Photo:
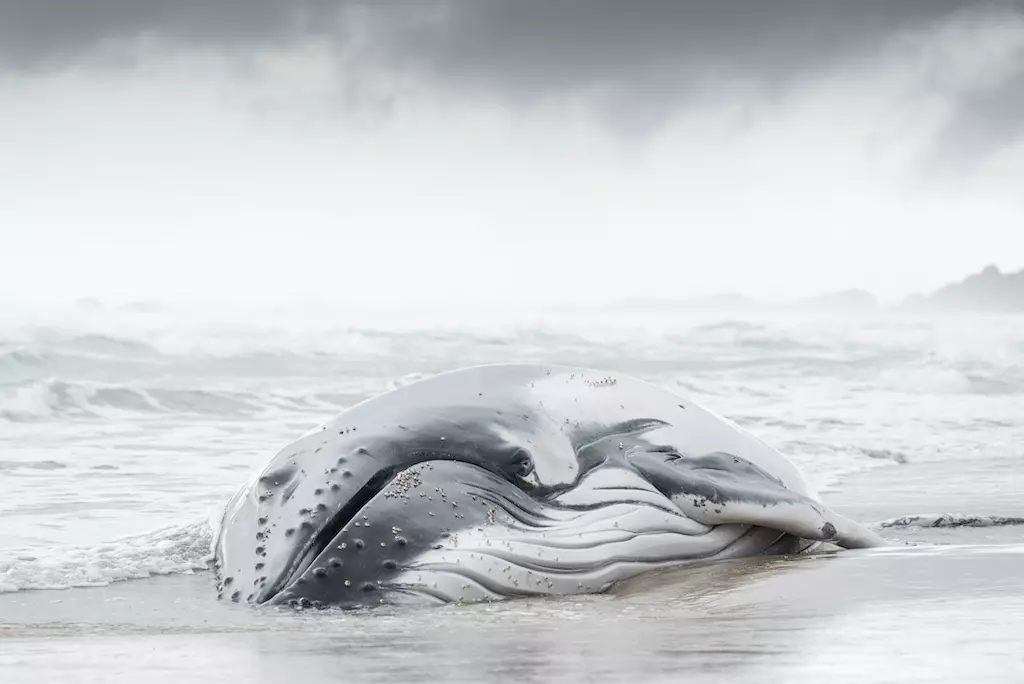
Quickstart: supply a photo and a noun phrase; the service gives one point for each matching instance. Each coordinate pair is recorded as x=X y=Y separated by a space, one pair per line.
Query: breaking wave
x=904 y=359
x=178 y=549
x=52 y=399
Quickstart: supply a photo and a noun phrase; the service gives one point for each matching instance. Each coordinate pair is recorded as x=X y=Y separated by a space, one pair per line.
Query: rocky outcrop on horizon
x=991 y=290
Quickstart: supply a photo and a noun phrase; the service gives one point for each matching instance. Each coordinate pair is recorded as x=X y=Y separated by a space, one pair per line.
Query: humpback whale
x=502 y=481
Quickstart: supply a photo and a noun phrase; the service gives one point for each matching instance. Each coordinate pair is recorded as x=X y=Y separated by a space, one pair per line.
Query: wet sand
x=948 y=608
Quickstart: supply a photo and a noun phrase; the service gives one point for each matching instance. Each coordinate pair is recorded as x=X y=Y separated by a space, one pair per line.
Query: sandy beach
x=944 y=605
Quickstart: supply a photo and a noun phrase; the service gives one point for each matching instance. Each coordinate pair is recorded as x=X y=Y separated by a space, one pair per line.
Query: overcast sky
x=506 y=150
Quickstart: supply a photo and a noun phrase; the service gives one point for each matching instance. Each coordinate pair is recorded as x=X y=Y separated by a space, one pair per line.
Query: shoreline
x=947 y=607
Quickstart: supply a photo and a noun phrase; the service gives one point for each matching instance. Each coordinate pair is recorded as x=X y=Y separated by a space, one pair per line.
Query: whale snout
x=376 y=555
x=340 y=512
x=278 y=523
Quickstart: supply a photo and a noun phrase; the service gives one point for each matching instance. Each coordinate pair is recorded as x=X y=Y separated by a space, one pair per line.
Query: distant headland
x=988 y=291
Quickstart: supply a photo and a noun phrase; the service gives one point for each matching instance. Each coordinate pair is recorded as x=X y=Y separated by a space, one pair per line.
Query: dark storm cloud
x=35 y=33
x=646 y=57
x=530 y=44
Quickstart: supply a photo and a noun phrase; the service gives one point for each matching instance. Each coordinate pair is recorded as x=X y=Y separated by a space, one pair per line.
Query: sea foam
x=173 y=549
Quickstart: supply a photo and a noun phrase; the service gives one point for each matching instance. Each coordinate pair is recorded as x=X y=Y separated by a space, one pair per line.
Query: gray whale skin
x=504 y=481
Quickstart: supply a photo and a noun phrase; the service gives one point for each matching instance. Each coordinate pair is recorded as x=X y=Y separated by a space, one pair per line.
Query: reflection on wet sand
x=902 y=614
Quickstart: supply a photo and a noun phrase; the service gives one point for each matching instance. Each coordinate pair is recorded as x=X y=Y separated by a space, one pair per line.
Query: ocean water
x=124 y=430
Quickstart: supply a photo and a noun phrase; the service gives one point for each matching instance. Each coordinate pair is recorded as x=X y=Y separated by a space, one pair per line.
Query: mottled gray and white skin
x=511 y=480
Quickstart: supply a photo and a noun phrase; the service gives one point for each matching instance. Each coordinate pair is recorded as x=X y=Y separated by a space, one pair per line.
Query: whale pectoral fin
x=722 y=489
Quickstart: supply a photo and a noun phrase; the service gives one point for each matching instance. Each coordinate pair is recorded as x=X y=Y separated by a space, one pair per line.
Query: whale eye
x=520 y=464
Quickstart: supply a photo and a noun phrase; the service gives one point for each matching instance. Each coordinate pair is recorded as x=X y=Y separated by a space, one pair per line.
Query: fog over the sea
x=506 y=151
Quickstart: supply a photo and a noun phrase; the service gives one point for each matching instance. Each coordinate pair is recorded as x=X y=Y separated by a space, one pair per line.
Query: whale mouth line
x=319 y=542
